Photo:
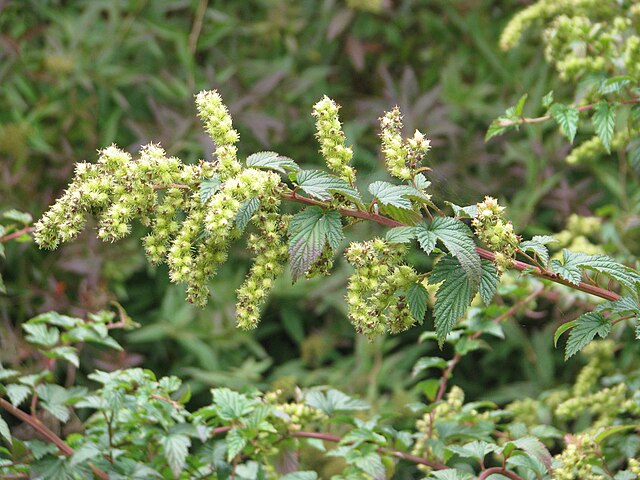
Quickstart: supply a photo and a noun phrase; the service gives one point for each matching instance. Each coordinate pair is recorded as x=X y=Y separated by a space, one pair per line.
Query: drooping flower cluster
x=270 y=248
x=401 y=157
x=332 y=140
x=495 y=232
x=188 y=230
x=374 y=293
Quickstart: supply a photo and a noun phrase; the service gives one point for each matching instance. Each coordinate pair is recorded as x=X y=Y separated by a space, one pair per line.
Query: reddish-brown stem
x=486 y=254
x=544 y=118
x=499 y=470
x=42 y=429
x=16 y=234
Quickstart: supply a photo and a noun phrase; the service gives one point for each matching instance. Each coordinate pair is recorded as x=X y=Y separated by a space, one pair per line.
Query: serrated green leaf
x=322 y=185
x=449 y=474
x=622 y=306
x=17 y=393
x=369 y=462
x=67 y=353
x=309 y=231
x=536 y=448
x=40 y=449
x=7 y=373
x=245 y=212
x=587 y=327
x=176 y=448
x=488 y=281
x=231 y=405
x=476 y=449
x=469 y=211
x=519 y=108
x=396 y=195
x=615 y=84
x=574 y=261
x=401 y=235
x=272 y=161
x=604 y=122
x=547 y=100
x=235 y=441
x=421 y=182
x=417 y=297
x=457 y=237
x=567 y=117
x=453 y=296
x=39 y=334
x=5 y=432
x=633 y=154
x=333 y=401
x=84 y=453
x=527 y=462
x=208 y=188
x=537 y=248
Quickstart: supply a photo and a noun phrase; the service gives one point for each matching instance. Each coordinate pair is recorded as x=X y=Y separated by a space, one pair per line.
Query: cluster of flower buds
x=401 y=157
x=332 y=140
x=578 y=458
x=492 y=229
x=270 y=248
x=372 y=292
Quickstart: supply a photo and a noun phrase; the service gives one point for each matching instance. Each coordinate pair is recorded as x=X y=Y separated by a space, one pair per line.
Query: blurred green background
x=76 y=76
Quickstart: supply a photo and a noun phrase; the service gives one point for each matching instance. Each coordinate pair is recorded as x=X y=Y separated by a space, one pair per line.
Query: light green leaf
x=449 y=474
x=40 y=449
x=333 y=401
x=67 y=353
x=561 y=329
x=401 y=234
x=421 y=182
x=457 y=237
x=469 y=211
x=537 y=248
x=245 y=212
x=17 y=216
x=323 y=185
x=604 y=122
x=615 y=430
x=587 y=327
x=476 y=449
x=574 y=261
x=176 y=448
x=309 y=231
x=567 y=117
x=272 y=161
x=428 y=362
x=547 y=100
x=235 y=443
x=536 y=448
x=453 y=296
x=208 y=188
x=17 y=393
x=39 y=334
x=3 y=288
x=417 y=297
x=396 y=195
x=488 y=281
x=369 y=462
x=84 y=453
x=231 y=405
x=622 y=306
x=519 y=108
x=5 y=432
x=511 y=115
x=305 y=475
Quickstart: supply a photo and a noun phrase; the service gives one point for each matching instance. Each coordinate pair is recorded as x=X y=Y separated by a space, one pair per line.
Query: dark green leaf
x=453 y=296
x=417 y=297
x=322 y=185
x=401 y=234
x=587 y=327
x=488 y=281
x=309 y=231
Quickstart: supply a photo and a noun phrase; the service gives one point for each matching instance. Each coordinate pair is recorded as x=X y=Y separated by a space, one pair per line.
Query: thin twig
x=16 y=234
x=544 y=118
x=498 y=470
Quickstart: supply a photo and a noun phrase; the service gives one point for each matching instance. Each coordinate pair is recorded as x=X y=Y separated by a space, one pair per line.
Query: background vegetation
x=78 y=76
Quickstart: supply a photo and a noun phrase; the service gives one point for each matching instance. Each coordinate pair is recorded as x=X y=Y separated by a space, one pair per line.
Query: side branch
x=544 y=118
x=42 y=429
x=486 y=254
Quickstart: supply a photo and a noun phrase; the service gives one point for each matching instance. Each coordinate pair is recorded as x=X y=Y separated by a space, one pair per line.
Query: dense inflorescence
x=497 y=233
x=332 y=140
x=402 y=157
x=375 y=290
x=188 y=230
x=583 y=36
